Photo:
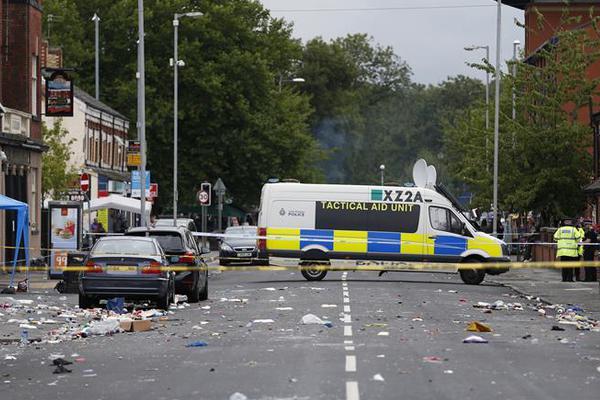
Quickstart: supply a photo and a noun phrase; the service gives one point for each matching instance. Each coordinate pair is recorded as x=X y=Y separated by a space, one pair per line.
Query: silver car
x=130 y=267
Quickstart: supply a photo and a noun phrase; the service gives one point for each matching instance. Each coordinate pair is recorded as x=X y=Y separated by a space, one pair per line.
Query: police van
x=318 y=223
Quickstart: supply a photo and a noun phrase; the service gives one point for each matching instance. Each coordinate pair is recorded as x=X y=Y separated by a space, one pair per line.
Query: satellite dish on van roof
x=420 y=173
x=431 y=176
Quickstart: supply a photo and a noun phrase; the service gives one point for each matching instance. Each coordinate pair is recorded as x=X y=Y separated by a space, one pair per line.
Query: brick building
x=20 y=116
x=543 y=19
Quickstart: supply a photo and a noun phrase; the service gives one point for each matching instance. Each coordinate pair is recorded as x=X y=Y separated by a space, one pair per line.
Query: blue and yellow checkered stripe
x=377 y=242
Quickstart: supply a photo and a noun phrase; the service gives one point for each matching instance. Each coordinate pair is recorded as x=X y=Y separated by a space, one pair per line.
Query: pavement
x=395 y=336
x=546 y=284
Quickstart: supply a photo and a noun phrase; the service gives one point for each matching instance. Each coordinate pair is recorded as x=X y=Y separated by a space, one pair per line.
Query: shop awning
x=118 y=203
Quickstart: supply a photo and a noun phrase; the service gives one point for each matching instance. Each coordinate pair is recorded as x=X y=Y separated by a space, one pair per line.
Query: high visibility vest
x=568 y=238
x=582 y=235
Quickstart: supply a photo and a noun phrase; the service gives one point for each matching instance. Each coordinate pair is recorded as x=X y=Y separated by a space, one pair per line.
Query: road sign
x=136 y=190
x=134 y=159
x=84 y=182
x=204 y=194
x=153 y=190
x=220 y=187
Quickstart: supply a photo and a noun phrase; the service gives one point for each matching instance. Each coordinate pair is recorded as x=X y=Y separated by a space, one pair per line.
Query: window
x=34 y=86
x=439 y=219
x=362 y=216
x=442 y=219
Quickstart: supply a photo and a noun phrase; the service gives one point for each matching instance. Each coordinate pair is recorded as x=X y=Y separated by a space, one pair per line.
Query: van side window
x=439 y=219
x=442 y=219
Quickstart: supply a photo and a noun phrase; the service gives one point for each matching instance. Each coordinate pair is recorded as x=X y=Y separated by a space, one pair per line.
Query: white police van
x=319 y=223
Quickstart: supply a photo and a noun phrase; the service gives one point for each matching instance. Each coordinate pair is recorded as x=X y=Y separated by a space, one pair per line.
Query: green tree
x=544 y=162
x=57 y=174
x=234 y=121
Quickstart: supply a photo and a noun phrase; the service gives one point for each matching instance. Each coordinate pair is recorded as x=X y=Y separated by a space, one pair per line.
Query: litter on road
x=476 y=326
x=474 y=339
x=378 y=378
x=198 y=343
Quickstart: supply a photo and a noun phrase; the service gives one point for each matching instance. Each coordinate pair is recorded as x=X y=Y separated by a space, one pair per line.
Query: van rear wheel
x=472 y=276
x=313 y=274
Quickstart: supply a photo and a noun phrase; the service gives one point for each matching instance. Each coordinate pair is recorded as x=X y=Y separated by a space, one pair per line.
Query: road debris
x=238 y=396
x=378 y=378
x=311 y=319
x=474 y=339
x=434 y=359
x=198 y=343
x=476 y=326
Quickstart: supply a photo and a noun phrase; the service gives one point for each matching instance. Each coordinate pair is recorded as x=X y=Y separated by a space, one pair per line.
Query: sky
x=430 y=35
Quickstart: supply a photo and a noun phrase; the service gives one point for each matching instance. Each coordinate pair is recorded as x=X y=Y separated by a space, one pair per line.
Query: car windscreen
x=169 y=241
x=128 y=247
x=249 y=232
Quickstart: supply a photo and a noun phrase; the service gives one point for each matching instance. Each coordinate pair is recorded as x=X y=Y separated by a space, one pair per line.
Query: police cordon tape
x=318 y=265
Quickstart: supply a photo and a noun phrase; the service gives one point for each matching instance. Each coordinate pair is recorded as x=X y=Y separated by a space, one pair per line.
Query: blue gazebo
x=22 y=209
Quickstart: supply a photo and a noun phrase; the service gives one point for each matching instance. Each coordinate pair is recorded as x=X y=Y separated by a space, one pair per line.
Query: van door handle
x=433 y=237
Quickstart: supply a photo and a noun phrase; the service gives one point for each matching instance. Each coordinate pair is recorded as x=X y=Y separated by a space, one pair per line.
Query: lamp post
x=487 y=82
x=497 y=113
x=293 y=80
x=176 y=64
x=96 y=20
x=516 y=45
x=382 y=171
x=141 y=123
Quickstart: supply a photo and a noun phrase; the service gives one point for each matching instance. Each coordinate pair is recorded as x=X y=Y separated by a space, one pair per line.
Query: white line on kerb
x=346 y=300
x=348 y=342
x=347 y=319
x=346 y=309
x=352 y=391
x=347 y=330
x=349 y=348
x=350 y=363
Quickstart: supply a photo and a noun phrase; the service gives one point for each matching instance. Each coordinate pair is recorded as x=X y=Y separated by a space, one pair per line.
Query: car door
x=445 y=235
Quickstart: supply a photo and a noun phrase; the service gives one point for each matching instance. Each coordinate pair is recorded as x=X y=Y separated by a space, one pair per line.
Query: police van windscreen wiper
x=443 y=190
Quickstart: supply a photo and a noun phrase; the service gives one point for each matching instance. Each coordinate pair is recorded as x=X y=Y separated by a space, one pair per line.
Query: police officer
x=568 y=237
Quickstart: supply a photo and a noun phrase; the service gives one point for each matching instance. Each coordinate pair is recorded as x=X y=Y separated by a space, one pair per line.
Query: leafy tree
x=57 y=174
x=234 y=123
x=543 y=159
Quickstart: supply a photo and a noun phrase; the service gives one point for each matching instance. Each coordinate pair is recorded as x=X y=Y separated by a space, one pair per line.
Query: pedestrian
x=589 y=252
x=578 y=271
x=567 y=238
x=94 y=226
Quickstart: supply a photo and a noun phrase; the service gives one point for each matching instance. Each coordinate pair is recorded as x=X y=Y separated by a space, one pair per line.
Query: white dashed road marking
x=351 y=386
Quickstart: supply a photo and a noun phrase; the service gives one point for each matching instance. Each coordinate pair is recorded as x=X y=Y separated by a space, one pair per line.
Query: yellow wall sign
x=103 y=218
x=134 y=160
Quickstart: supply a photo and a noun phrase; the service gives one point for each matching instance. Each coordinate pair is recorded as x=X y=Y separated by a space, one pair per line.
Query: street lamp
x=176 y=64
x=497 y=113
x=382 y=170
x=516 y=45
x=487 y=83
x=293 y=80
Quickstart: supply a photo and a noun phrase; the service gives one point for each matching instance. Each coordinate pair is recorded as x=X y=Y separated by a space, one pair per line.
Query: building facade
x=543 y=19
x=98 y=137
x=20 y=117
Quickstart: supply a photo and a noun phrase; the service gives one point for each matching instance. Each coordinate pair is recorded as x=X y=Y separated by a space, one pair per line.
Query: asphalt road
x=391 y=325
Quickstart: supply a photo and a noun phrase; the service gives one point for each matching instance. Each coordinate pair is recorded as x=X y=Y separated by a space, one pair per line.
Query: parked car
x=183 y=222
x=184 y=255
x=134 y=268
x=241 y=247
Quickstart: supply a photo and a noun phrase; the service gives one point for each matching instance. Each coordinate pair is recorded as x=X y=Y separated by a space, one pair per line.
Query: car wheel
x=472 y=276
x=203 y=295
x=313 y=274
x=85 y=302
x=194 y=293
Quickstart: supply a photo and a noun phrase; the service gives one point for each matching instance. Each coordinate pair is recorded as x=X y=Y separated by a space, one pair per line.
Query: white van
x=319 y=223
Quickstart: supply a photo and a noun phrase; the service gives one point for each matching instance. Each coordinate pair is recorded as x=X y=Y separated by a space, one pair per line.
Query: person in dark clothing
x=589 y=252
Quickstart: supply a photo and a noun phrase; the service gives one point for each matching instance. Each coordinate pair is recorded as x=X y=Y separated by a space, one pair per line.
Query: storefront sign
x=59 y=95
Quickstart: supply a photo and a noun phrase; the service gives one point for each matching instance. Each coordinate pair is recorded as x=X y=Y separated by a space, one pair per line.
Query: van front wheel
x=472 y=276
x=313 y=274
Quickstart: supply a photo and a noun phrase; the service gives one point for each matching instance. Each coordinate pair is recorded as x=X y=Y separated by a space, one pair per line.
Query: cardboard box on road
x=136 y=325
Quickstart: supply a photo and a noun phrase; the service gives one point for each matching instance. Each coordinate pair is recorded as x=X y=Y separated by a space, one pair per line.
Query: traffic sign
x=84 y=182
x=220 y=187
x=153 y=190
x=204 y=194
